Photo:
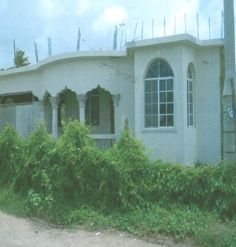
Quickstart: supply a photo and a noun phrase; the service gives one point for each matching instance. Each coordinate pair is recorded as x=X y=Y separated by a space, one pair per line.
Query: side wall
x=80 y=75
x=166 y=143
x=208 y=106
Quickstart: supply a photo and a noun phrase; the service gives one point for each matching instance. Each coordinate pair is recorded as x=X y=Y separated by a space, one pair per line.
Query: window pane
x=170 y=120
x=154 y=86
x=165 y=69
x=154 y=109
x=191 y=108
x=154 y=97
x=148 y=98
x=162 y=85
x=163 y=120
x=170 y=109
x=148 y=109
x=92 y=109
x=153 y=70
x=170 y=85
x=190 y=85
x=163 y=108
x=170 y=97
x=148 y=121
x=190 y=95
x=163 y=97
x=155 y=121
x=148 y=86
x=190 y=120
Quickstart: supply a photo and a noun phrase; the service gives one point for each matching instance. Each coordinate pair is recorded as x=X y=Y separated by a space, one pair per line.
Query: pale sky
x=29 y=21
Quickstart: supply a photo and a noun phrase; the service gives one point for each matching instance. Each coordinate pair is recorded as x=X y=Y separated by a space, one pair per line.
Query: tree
x=19 y=59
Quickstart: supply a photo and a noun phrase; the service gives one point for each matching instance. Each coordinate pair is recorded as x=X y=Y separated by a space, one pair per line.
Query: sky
x=27 y=21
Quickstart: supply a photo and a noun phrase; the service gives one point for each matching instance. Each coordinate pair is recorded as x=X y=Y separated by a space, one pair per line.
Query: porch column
x=54 y=103
x=81 y=98
x=117 y=115
x=41 y=111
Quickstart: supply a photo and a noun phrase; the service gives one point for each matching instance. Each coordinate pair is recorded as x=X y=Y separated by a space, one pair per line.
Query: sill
x=191 y=127
x=160 y=130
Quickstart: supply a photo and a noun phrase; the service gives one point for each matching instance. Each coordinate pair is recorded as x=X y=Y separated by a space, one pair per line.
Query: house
x=167 y=89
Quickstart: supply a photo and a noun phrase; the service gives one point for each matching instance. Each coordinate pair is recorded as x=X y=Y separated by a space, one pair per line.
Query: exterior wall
x=190 y=133
x=182 y=143
x=24 y=118
x=208 y=106
x=121 y=76
x=80 y=75
x=163 y=143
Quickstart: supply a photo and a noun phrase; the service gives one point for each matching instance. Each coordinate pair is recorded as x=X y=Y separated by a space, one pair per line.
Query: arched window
x=190 y=96
x=159 y=95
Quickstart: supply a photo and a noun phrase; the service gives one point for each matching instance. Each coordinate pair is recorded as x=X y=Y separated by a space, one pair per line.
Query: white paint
x=122 y=73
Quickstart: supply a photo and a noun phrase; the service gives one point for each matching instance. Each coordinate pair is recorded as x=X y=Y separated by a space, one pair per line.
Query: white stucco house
x=167 y=89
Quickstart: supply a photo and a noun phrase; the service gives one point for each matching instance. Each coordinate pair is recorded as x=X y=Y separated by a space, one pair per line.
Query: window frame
x=191 y=100
x=160 y=114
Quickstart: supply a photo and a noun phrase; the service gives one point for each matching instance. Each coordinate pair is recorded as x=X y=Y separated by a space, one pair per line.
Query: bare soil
x=18 y=232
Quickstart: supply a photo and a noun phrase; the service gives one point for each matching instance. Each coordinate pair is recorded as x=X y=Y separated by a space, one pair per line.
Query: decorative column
x=81 y=98
x=117 y=115
x=41 y=111
x=54 y=103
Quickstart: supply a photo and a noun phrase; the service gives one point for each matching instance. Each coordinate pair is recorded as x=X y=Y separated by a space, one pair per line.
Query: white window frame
x=159 y=127
x=190 y=100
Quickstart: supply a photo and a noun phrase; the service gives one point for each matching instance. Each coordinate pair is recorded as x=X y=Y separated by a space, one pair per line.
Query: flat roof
x=179 y=38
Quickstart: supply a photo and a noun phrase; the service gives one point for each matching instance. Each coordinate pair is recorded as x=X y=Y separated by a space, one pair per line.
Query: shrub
x=209 y=187
x=11 y=158
x=73 y=170
x=130 y=164
x=34 y=179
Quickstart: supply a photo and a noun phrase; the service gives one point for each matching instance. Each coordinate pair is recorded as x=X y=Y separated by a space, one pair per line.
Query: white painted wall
x=208 y=105
x=122 y=73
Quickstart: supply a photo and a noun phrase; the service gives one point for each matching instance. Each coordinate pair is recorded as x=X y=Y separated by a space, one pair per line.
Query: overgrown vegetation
x=71 y=181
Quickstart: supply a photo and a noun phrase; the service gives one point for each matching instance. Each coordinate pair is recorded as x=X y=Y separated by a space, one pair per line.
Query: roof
x=179 y=38
x=174 y=39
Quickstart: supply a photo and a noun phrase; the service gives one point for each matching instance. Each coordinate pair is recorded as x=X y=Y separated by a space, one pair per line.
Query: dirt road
x=18 y=232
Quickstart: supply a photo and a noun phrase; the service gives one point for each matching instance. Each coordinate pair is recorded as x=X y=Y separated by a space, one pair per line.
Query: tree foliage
x=20 y=60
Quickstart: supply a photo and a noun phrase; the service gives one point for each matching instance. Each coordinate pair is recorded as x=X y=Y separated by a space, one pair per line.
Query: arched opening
x=99 y=115
x=67 y=107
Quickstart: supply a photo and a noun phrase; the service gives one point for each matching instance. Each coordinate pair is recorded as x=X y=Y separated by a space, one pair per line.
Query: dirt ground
x=18 y=232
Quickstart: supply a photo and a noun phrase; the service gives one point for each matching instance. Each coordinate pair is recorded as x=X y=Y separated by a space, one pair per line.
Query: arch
x=99 y=111
x=159 y=95
x=190 y=95
x=159 y=68
x=68 y=107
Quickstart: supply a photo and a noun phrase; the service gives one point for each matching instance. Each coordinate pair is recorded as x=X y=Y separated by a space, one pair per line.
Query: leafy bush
x=130 y=162
x=69 y=180
x=34 y=179
x=11 y=158
x=210 y=187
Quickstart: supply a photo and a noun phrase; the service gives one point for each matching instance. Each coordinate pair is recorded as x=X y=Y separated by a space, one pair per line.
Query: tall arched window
x=159 y=95
x=190 y=96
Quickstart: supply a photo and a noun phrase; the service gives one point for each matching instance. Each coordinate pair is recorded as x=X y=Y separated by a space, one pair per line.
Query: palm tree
x=19 y=59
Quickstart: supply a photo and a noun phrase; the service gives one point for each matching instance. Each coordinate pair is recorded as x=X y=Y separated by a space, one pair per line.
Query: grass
x=177 y=221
